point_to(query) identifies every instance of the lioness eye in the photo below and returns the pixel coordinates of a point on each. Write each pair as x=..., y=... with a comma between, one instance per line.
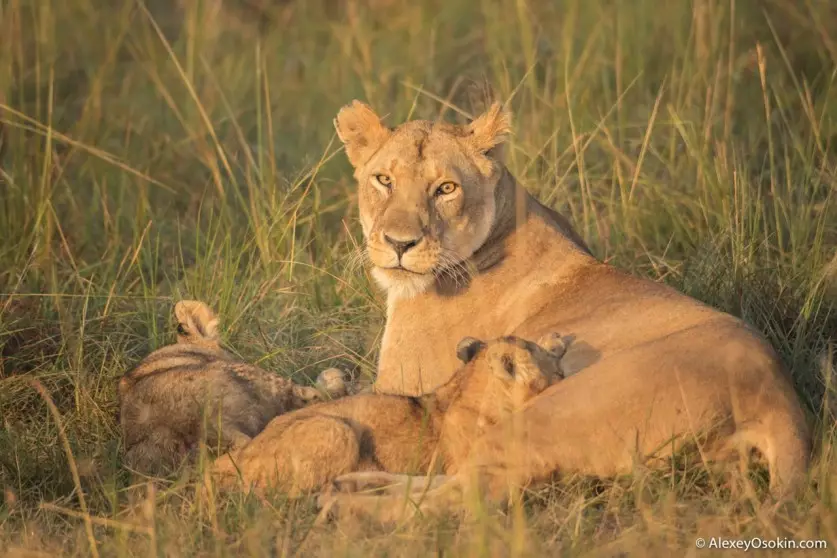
x=446, y=189
x=181, y=330
x=383, y=180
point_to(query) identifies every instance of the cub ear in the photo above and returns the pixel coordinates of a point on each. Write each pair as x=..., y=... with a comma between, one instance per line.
x=490, y=130
x=553, y=343
x=361, y=131
x=196, y=317
x=468, y=348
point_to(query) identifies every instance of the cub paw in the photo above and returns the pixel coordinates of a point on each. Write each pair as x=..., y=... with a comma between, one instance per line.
x=333, y=382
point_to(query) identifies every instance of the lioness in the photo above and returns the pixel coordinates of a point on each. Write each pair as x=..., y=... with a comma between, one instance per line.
x=194, y=390
x=398, y=434
x=461, y=248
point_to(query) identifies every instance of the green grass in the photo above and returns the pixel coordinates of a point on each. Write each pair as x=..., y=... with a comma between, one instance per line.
x=149, y=155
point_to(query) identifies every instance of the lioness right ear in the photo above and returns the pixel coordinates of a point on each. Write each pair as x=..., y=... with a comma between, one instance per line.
x=361, y=131
x=468, y=348
x=490, y=130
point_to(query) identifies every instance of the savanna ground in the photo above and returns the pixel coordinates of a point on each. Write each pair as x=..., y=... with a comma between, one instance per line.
x=152, y=152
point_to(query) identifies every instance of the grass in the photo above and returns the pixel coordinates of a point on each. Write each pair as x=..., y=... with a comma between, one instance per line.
x=151, y=153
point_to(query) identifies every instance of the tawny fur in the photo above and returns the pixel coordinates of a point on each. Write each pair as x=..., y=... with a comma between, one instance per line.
x=398, y=434
x=195, y=391
x=485, y=258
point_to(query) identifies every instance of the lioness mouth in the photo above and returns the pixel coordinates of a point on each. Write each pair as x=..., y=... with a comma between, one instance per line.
x=404, y=269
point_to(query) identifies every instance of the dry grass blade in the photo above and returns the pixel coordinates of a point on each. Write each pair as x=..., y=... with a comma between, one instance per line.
x=71, y=461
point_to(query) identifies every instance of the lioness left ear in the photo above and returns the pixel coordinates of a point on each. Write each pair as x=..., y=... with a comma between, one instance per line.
x=468, y=348
x=490, y=130
x=361, y=131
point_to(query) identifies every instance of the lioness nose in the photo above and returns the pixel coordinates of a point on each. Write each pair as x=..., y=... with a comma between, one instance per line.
x=401, y=246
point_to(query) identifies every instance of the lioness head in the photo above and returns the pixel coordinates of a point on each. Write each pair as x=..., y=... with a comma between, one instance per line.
x=505, y=373
x=426, y=191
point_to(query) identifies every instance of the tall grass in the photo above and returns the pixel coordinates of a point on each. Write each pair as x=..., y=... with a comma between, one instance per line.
x=154, y=151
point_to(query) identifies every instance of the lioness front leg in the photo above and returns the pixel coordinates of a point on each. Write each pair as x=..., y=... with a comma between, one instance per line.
x=402, y=498
x=500, y=463
x=386, y=483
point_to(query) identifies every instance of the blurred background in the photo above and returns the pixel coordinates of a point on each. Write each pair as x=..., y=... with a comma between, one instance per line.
x=157, y=150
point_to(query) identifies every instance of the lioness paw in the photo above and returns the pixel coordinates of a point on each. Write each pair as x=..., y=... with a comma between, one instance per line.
x=386, y=483
x=427, y=496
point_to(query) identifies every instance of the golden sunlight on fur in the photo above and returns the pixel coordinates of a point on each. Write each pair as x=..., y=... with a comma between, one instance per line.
x=304, y=450
x=462, y=249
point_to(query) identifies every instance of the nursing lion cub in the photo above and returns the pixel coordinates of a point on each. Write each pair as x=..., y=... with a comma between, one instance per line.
x=398, y=434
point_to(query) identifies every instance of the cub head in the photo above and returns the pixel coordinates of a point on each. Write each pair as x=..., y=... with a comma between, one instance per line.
x=425, y=191
x=505, y=373
x=197, y=324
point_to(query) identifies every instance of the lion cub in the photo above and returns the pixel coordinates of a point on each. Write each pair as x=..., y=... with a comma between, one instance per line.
x=302, y=451
x=194, y=390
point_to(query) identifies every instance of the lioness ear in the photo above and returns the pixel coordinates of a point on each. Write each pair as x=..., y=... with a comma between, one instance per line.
x=490, y=130
x=468, y=348
x=554, y=343
x=361, y=131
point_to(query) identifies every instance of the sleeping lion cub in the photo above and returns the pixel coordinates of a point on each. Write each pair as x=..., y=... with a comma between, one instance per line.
x=194, y=391
x=398, y=434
